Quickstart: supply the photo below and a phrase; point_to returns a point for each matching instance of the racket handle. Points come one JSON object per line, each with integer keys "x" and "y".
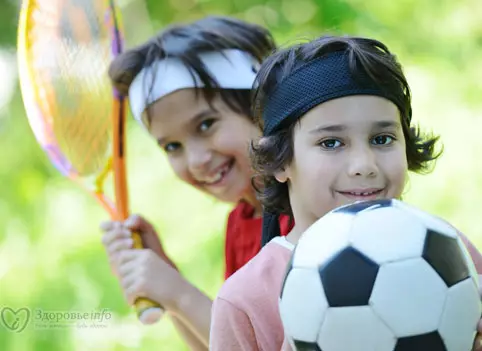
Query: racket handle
{"x": 148, "y": 311}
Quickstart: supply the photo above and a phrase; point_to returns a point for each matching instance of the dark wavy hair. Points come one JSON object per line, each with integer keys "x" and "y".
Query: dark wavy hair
{"x": 185, "y": 42}
{"x": 275, "y": 151}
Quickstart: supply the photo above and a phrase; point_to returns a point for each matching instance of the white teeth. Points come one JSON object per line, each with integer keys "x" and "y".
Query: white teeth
{"x": 363, "y": 194}
{"x": 214, "y": 179}
{"x": 217, "y": 177}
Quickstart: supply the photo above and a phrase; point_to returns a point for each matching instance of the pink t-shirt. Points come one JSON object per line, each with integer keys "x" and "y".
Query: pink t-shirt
{"x": 245, "y": 314}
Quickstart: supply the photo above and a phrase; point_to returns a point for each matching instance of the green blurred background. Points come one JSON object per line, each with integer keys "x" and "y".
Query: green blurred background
{"x": 51, "y": 257}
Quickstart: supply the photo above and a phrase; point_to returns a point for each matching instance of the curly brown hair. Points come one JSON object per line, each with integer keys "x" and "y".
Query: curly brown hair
{"x": 271, "y": 153}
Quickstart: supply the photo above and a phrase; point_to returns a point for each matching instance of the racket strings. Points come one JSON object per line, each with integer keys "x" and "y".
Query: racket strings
{"x": 76, "y": 97}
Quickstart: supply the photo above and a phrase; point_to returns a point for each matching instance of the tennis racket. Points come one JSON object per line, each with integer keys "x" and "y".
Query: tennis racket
{"x": 64, "y": 49}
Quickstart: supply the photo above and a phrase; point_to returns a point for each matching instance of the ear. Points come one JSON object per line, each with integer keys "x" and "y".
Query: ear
{"x": 281, "y": 176}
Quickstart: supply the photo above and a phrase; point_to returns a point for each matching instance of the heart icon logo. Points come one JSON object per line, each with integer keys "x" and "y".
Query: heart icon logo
{"x": 15, "y": 321}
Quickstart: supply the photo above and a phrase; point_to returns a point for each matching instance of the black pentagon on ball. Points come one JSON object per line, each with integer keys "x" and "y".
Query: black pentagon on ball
{"x": 306, "y": 346}
{"x": 424, "y": 342}
{"x": 446, "y": 258}
{"x": 348, "y": 278}
{"x": 363, "y": 205}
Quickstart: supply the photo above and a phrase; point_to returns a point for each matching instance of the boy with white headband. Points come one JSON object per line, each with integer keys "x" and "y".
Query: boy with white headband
{"x": 190, "y": 88}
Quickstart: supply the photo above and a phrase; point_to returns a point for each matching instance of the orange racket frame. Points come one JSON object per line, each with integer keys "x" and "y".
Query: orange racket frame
{"x": 148, "y": 311}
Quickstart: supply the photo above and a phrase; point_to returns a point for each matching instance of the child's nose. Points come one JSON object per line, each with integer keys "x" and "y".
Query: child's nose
{"x": 362, "y": 162}
{"x": 198, "y": 159}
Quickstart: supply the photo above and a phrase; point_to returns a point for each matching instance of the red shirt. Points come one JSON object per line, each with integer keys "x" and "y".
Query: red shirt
{"x": 243, "y": 236}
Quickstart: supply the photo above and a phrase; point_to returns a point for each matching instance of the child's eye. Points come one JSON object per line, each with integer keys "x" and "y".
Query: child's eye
{"x": 383, "y": 140}
{"x": 171, "y": 147}
{"x": 331, "y": 143}
{"x": 206, "y": 124}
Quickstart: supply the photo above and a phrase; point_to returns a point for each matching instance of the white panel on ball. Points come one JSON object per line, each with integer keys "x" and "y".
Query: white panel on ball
{"x": 409, "y": 296}
{"x": 355, "y": 329}
{"x": 430, "y": 221}
{"x": 388, "y": 234}
{"x": 303, "y": 304}
{"x": 320, "y": 235}
{"x": 459, "y": 321}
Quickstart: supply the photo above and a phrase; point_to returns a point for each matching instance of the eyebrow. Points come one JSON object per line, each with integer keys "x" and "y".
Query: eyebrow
{"x": 342, "y": 127}
{"x": 193, "y": 121}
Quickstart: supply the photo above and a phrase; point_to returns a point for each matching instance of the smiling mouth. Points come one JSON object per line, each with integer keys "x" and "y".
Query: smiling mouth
{"x": 219, "y": 176}
{"x": 369, "y": 193}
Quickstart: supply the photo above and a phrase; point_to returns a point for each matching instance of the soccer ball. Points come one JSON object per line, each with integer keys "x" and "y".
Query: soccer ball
{"x": 380, "y": 276}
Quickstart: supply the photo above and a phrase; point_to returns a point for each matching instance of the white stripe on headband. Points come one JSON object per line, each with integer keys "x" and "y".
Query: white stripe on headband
{"x": 231, "y": 69}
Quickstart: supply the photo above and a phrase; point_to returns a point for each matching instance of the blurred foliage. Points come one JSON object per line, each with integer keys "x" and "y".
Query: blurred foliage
{"x": 50, "y": 252}
{"x": 8, "y": 22}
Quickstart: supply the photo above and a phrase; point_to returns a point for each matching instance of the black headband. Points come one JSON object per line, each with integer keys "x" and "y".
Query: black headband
{"x": 313, "y": 83}
{"x": 322, "y": 79}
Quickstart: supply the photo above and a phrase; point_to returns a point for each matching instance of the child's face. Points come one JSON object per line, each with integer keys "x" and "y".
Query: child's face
{"x": 345, "y": 150}
{"x": 206, "y": 148}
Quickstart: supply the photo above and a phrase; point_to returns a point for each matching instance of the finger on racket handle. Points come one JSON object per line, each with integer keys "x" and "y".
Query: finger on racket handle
{"x": 148, "y": 311}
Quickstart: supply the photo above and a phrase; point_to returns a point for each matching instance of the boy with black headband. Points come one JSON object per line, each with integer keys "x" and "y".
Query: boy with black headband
{"x": 336, "y": 120}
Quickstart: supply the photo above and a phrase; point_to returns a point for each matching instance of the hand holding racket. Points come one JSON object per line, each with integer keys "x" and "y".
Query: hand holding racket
{"x": 64, "y": 49}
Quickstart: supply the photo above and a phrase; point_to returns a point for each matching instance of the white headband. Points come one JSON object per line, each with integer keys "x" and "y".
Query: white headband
{"x": 231, "y": 69}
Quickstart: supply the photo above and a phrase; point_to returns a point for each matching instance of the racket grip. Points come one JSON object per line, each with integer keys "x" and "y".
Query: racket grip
{"x": 148, "y": 311}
